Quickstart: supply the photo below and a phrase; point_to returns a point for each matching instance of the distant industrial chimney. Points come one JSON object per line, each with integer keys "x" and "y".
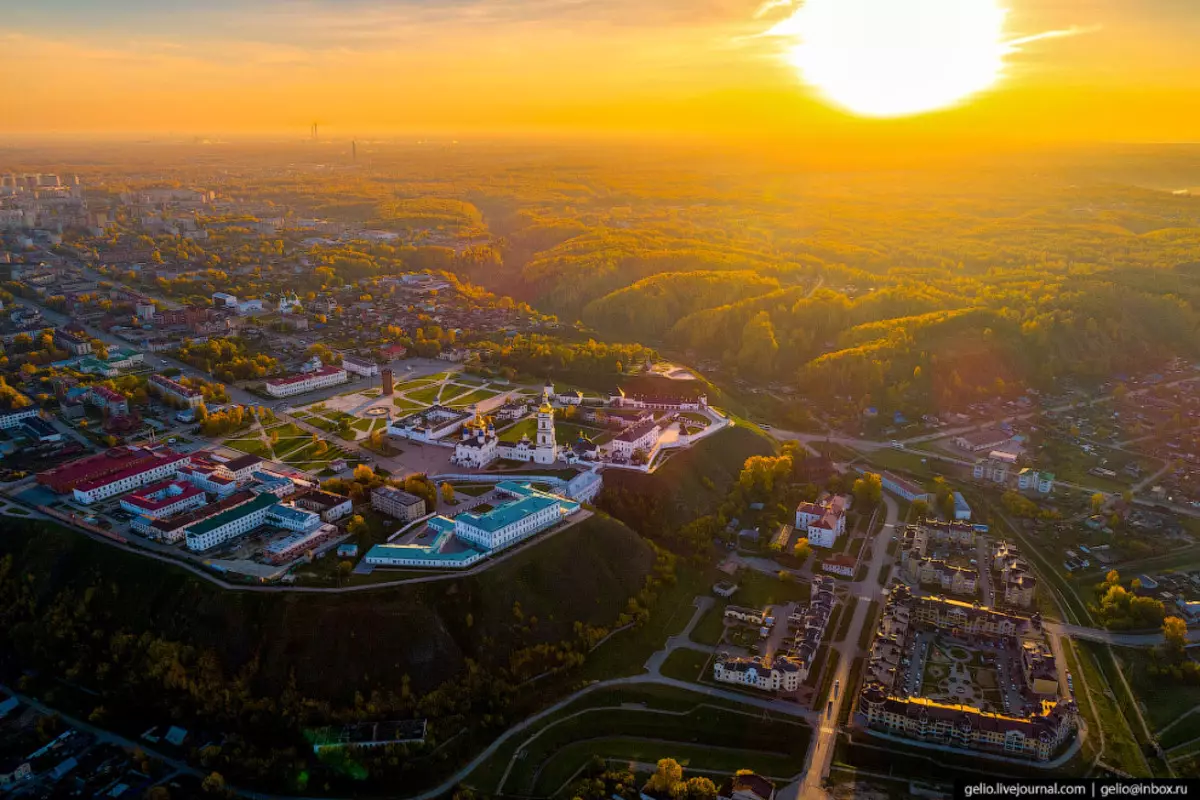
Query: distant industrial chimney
{"x": 353, "y": 151}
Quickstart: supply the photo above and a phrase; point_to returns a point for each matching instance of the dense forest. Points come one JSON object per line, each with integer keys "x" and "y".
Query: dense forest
{"x": 916, "y": 288}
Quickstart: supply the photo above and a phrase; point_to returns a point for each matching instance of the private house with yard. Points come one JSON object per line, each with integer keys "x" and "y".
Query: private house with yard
{"x": 824, "y": 521}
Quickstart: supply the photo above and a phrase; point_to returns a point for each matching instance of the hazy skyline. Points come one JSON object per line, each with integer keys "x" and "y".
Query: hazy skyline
{"x": 1130, "y": 71}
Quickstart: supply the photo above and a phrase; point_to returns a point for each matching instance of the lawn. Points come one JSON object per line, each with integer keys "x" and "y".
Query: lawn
{"x": 1164, "y": 699}
{"x": 254, "y": 446}
{"x": 525, "y": 427}
{"x": 914, "y": 463}
{"x": 406, "y": 407}
{"x": 471, "y": 397}
{"x": 427, "y": 395}
{"x": 843, "y": 626}
{"x": 685, "y": 664}
{"x": 711, "y": 626}
{"x": 1120, "y": 745}
{"x": 757, "y": 590}
{"x": 868, "y": 630}
{"x": 363, "y": 424}
{"x": 711, "y": 760}
{"x": 552, "y": 758}
{"x": 627, "y": 651}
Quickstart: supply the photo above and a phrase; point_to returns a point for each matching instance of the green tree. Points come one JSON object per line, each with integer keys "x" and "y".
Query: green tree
{"x": 759, "y": 346}
{"x": 1174, "y": 637}
{"x": 868, "y": 490}
{"x": 700, "y": 788}
{"x": 666, "y": 777}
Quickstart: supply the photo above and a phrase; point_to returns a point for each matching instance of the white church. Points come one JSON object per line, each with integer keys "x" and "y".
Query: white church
{"x": 480, "y": 445}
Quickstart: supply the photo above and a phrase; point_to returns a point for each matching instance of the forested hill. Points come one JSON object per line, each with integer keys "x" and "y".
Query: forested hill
{"x": 1063, "y": 264}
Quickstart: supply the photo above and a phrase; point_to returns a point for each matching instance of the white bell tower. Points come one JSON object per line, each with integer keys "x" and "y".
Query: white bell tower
{"x": 546, "y": 450}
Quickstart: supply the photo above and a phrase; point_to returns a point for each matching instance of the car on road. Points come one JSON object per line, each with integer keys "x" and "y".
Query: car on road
{"x": 829, "y": 709}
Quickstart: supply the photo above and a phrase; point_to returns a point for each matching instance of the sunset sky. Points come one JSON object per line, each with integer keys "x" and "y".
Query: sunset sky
{"x": 1119, "y": 70}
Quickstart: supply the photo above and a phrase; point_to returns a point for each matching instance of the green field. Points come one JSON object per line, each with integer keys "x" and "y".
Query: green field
{"x": 685, "y": 664}
{"x": 701, "y": 736}
{"x": 471, "y": 397}
{"x": 757, "y": 590}
{"x": 711, "y": 626}
{"x": 427, "y": 395}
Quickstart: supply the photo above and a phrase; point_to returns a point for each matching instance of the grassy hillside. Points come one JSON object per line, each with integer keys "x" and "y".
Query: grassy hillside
{"x": 691, "y": 484}
{"x": 337, "y": 644}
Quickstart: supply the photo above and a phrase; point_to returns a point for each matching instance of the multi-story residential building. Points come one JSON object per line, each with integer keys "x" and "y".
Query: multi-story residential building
{"x": 824, "y": 521}
{"x": 300, "y": 383}
{"x": 991, "y": 469}
{"x": 14, "y": 417}
{"x": 1032, "y": 480}
{"x": 397, "y": 503}
{"x": 839, "y": 564}
{"x": 936, "y": 572}
{"x": 163, "y": 499}
{"x": 73, "y": 343}
{"x": 748, "y": 616}
{"x": 770, "y": 675}
{"x": 176, "y": 391}
{"x": 1038, "y": 736}
{"x": 108, "y": 401}
{"x": 330, "y": 506}
{"x": 117, "y": 470}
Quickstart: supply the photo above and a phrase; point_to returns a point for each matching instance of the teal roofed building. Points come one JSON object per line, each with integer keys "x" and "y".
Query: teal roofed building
{"x": 469, "y": 537}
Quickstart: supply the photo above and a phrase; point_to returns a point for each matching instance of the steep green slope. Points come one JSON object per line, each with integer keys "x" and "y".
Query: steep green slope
{"x": 337, "y": 644}
{"x": 691, "y": 484}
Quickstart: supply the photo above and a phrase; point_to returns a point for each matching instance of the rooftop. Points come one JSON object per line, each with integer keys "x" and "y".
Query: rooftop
{"x": 259, "y": 503}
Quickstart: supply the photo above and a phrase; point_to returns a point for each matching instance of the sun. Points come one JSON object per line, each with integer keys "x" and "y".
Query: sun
{"x": 891, "y": 58}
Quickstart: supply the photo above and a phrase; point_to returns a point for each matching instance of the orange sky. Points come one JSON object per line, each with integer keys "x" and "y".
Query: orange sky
{"x": 1132, "y": 72}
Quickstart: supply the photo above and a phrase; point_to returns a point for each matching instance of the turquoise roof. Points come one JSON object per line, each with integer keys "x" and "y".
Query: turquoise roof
{"x": 431, "y": 552}
{"x": 507, "y": 514}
